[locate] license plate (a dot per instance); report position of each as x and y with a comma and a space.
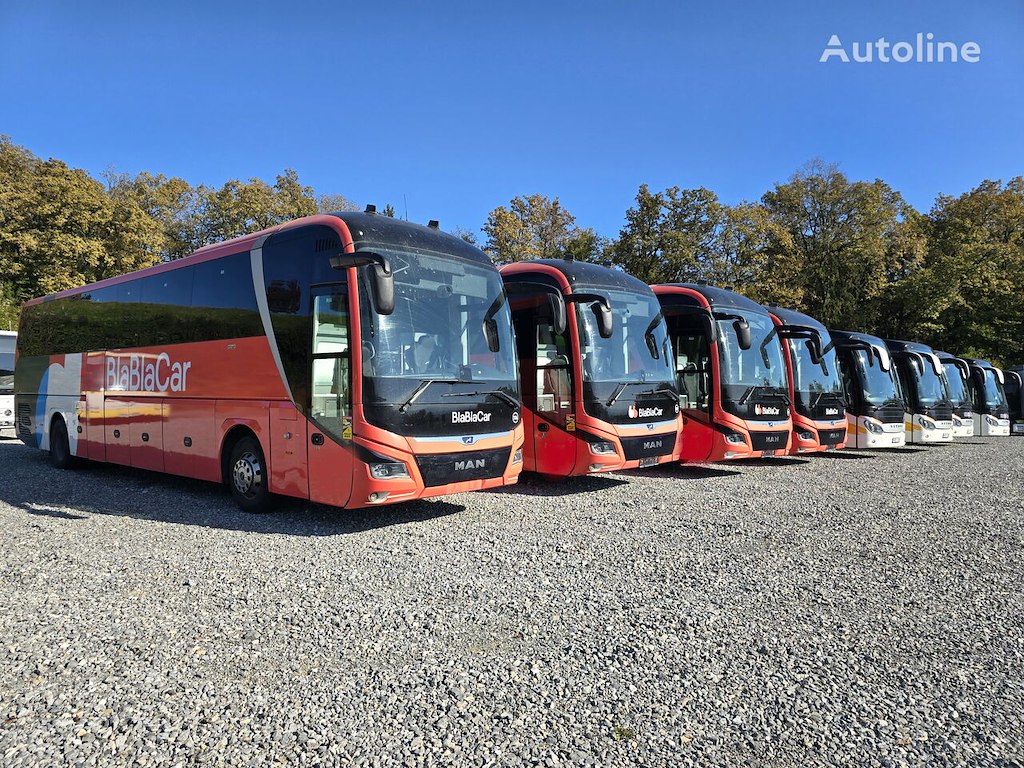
769, 452
947, 435
650, 461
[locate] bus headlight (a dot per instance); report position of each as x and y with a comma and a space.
388, 470
927, 423
991, 421
735, 438
873, 427
602, 447
517, 457
805, 436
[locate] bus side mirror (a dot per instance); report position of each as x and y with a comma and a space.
384, 289
491, 334
557, 307
710, 327
742, 328
383, 277
604, 318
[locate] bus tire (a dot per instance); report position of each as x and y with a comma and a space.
248, 476
60, 448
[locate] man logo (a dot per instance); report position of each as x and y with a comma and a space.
468, 464
650, 445
515, 417
468, 440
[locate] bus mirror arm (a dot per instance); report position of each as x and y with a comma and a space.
740, 326
599, 306
383, 276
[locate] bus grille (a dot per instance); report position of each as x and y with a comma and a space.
648, 445
942, 412
831, 436
768, 441
443, 468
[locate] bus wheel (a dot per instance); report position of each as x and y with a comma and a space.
248, 476
60, 450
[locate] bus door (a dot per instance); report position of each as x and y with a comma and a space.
694, 379
329, 443
554, 441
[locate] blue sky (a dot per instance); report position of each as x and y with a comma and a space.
453, 108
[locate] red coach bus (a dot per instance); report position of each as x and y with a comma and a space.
595, 365
815, 385
733, 387
350, 359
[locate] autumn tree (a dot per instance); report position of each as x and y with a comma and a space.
976, 254
534, 227
842, 236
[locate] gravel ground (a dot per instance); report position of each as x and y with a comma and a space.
857, 609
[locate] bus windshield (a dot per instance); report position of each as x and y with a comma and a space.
880, 387
626, 356
810, 381
760, 366
958, 395
437, 330
931, 388
994, 395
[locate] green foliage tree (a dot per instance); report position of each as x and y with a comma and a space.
976, 258
534, 227
843, 236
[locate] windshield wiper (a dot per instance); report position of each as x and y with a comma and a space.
424, 384
496, 392
664, 389
652, 343
758, 387
615, 395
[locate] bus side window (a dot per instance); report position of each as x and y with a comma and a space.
553, 383
330, 376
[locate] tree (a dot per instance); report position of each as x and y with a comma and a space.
59, 228
669, 235
842, 235
333, 203
532, 227
976, 254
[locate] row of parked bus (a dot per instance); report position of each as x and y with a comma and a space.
355, 359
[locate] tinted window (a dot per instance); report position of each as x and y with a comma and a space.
207, 302
224, 301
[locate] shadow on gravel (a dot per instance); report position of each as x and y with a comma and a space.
141, 495
537, 485
844, 454
686, 471
901, 450
775, 461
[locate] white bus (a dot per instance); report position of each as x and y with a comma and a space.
929, 414
8, 339
957, 374
991, 411
875, 406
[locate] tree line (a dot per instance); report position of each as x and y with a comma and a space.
853, 254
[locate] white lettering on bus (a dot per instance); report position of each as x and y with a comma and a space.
140, 373
464, 417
